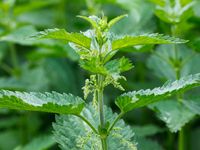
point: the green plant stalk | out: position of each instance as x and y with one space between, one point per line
181 137
181 140
88 123
100 101
104 144
101 110
115 121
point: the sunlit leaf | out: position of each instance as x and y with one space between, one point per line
135 99
45 102
62 34
127 41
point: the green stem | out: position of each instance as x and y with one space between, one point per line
88 123
104 144
181 145
115 121
181 140
101 110
100 101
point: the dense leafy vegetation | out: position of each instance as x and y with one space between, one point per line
45 57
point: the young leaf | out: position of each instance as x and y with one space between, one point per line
47 102
173 113
72 133
93 20
135 99
115 20
62 34
127 41
117 66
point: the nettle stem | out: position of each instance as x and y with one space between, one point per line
181 136
181 140
100 101
103 134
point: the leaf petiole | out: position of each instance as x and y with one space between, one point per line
87 122
115 121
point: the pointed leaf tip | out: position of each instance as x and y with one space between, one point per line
116 19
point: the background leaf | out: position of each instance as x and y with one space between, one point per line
173 113
39 143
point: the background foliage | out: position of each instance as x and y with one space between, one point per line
49 65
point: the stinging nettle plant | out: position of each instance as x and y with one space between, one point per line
83 125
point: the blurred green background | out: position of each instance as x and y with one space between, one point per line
27 65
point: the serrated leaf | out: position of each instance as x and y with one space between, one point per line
127 41
89 65
62 34
135 99
193 105
113 67
118 65
46 102
72 133
173 113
